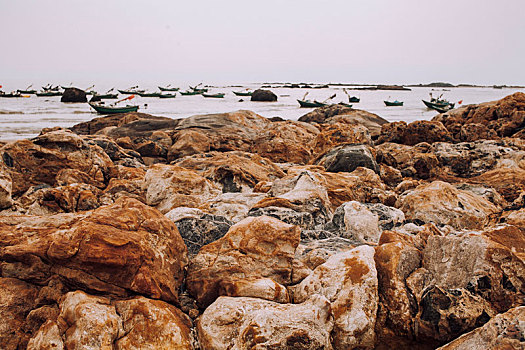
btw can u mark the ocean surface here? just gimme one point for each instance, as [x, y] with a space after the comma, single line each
[25, 117]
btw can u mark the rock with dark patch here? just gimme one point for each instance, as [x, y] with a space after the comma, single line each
[73, 95]
[198, 228]
[304, 220]
[348, 158]
[263, 96]
[414, 133]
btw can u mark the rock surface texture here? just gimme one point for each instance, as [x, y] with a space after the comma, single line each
[234, 231]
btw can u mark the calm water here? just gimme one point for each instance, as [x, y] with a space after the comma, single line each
[25, 117]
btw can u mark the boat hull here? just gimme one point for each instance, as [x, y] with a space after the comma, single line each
[239, 93]
[47, 94]
[113, 110]
[167, 89]
[393, 104]
[310, 104]
[190, 93]
[168, 96]
[213, 95]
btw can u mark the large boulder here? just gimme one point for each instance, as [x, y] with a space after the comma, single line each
[172, 186]
[348, 158]
[255, 248]
[414, 133]
[340, 114]
[73, 95]
[443, 204]
[40, 160]
[349, 281]
[263, 96]
[504, 117]
[250, 323]
[120, 249]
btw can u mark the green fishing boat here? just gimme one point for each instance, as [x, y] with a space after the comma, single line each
[11, 95]
[149, 94]
[107, 96]
[27, 90]
[112, 109]
[393, 103]
[49, 93]
[437, 104]
[243, 93]
[443, 109]
[168, 88]
[217, 95]
[189, 93]
[353, 99]
[167, 95]
[310, 104]
[131, 91]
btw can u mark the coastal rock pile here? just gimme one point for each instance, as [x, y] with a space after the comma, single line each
[233, 231]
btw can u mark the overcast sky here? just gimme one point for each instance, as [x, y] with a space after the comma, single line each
[230, 41]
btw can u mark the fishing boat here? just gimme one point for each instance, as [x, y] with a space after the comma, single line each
[11, 94]
[102, 109]
[190, 92]
[108, 95]
[131, 91]
[444, 109]
[310, 104]
[149, 94]
[243, 93]
[27, 90]
[168, 88]
[217, 95]
[48, 93]
[168, 95]
[393, 103]
[345, 104]
[438, 104]
[353, 99]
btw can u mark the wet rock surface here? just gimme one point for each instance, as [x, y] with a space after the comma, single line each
[234, 231]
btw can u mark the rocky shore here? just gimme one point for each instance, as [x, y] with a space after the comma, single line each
[233, 231]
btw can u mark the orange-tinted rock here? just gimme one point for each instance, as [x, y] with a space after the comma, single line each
[118, 249]
[114, 120]
[261, 247]
[505, 117]
[171, 186]
[40, 160]
[443, 204]
[17, 298]
[507, 181]
[333, 135]
[232, 171]
[152, 324]
[349, 281]
[6, 188]
[250, 323]
[414, 133]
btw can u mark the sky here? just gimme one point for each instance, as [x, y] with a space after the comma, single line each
[233, 41]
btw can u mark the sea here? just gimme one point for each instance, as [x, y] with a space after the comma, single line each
[25, 117]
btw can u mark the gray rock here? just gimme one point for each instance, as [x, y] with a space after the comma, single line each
[388, 217]
[304, 220]
[73, 95]
[348, 158]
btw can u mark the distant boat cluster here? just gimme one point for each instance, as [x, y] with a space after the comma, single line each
[439, 104]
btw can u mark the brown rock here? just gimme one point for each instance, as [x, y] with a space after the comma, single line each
[443, 204]
[507, 181]
[16, 300]
[250, 323]
[349, 281]
[336, 134]
[40, 160]
[260, 247]
[233, 171]
[152, 324]
[118, 249]
[504, 331]
[414, 133]
[171, 186]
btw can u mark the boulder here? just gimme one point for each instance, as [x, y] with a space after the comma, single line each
[73, 95]
[6, 188]
[198, 228]
[38, 161]
[113, 122]
[349, 281]
[348, 158]
[505, 117]
[119, 249]
[443, 204]
[250, 323]
[234, 206]
[171, 186]
[503, 331]
[411, 161]
[261, 247]
[340, 114]
[17, 299]
[356, 222]
[263, 96]
[232, 171]
[333, 135]
[414, 133]
[304, 220]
